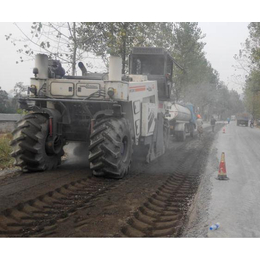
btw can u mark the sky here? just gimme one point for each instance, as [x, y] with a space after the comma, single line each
[222, 43]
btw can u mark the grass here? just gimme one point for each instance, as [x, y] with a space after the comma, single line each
[6, 161]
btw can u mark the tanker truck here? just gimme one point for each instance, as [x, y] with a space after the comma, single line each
[182, 119]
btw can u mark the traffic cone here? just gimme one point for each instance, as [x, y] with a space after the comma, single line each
[222, 173]
[224, 130]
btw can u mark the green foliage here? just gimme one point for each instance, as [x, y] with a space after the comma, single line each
[249, 60]
[19, 90]
[252, 93]
[118, 38]
[3, 101]
[197, 83]
[21, 111]
[5, 158]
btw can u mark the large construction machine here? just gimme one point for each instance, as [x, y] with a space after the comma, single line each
[112, 112]
[158, 65]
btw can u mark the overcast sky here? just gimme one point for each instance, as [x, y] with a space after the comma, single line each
[222, 43]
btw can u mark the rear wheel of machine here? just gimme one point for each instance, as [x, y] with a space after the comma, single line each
[111, 148]
[181, 136]
[29, 145]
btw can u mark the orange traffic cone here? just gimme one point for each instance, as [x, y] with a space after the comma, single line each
[224, 130]
[222, 173]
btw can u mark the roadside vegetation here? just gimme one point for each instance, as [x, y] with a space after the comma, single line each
[6, 161]
[248, 62]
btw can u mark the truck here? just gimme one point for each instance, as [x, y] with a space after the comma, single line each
[243, 119]
[182, 120]
[113, 113]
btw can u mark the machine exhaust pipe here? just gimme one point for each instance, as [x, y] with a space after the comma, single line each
[82, 68]
[115, 68]
[41, 63]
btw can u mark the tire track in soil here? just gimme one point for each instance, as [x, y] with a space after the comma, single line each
[164, 214]
[111, 209]
[43, 215]
[40, 216]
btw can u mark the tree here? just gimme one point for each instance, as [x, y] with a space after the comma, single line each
[120, 37]
[198, 81]
[69, 41]
[19, 90]
[3, 101]
[249, 61]
[60, 41]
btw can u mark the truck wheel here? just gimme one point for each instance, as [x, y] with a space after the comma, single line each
[181, 136]
[29, 145]
[111, 148]
[192, 130]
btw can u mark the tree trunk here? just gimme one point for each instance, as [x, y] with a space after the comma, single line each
[74, 50]
[124, 48]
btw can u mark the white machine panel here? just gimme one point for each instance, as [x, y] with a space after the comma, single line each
[149, 114]
[86, 89]
[62, 89]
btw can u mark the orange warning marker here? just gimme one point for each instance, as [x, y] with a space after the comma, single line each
[222, 173]
[224, 130]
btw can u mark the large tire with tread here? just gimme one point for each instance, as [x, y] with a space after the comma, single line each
[29, 145]
[181, 136]
[111, 148]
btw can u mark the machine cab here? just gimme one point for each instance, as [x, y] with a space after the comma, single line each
[157, 64]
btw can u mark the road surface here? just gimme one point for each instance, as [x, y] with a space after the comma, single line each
[152, 201]
[233, 203]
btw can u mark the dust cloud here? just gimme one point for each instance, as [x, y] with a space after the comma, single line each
[76, 153]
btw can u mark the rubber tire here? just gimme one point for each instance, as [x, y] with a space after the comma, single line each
[28, 144]
[192, 130]
[181, 136]
[109, 137]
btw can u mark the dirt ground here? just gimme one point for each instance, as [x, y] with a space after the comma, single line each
[69, 202]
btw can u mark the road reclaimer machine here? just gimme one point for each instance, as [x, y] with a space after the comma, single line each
[112, 112]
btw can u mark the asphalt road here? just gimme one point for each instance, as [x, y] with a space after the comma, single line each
[234, 203]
